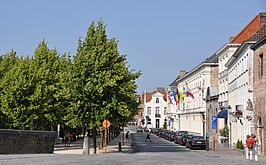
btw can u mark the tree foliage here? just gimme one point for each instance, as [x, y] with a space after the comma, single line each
[104, 86]
[41, 91]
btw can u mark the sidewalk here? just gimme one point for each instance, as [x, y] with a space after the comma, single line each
[221, 151]
[77, 146]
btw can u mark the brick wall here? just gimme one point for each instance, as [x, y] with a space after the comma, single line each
[259, 96]
[26, 142]
[214, 76]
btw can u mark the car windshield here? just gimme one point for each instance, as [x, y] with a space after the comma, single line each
[198, 138]
[182, 133]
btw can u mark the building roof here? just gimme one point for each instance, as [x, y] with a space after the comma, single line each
[255, 37]
[238, 52]
[251, 28]
[259, 34]
[149, 94]
[258, 44]
[212, 60]
[175, 82]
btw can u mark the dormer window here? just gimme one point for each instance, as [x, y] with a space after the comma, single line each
[157, 100]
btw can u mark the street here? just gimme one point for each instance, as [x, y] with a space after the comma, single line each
[157, 152]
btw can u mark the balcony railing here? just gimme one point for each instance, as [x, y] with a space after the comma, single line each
[157, 115]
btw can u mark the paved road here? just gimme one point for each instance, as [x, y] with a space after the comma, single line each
[158, 152]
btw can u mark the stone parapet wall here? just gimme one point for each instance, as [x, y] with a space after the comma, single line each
[26, 142]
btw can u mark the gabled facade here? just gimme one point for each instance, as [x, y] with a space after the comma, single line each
[154, 106]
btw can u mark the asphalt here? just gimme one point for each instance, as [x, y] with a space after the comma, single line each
[126, 146]
[112, 146]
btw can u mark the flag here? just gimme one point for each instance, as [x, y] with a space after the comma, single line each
[170, 100]
[174, 94]
[189, 93]
[177, 100]
[183, 94]
[184, 91]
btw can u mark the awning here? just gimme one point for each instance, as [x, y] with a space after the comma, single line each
[223, 114]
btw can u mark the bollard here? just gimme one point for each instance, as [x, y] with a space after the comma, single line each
[207, 145]
[86, 145]
[119, 147]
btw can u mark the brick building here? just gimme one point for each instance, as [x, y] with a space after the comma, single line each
[259, 92]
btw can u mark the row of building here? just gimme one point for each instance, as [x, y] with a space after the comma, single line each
[229, 90]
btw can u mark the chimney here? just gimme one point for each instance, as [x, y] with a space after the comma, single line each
[160, 89]
[231, 39]
[182, 73]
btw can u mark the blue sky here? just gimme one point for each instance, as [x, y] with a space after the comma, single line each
[160, 37]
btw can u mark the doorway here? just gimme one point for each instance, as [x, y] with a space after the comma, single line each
[260, 135]
[157, 123]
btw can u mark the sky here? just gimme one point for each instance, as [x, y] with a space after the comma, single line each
[159, 37]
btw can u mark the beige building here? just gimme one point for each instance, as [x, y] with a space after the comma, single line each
[192, 113]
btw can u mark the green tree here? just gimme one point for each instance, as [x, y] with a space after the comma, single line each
[224, 132]
[105, 88]
[48, 98]
[8, 102]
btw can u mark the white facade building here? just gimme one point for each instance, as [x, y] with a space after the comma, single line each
[155, 108]
[224, 54]
[240, 78]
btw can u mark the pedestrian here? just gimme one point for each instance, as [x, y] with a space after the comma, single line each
[127, 136]
[255, 147]
[246, 148]
[249, 147]
[68, 138]
[65, 138]
[148, 137]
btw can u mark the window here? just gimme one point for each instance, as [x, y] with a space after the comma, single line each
[149, 111]
[261, 65]
[149, 121]
[157, 100]
[157, 110]
[165, 110]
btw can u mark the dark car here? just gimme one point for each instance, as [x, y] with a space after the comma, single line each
[161, 132]
[172, 136]
[196, 141]
[179, 135]
[167, 135]
[184, 139]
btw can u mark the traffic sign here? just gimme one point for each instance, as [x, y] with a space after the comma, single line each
[106, 123]
[214, 122]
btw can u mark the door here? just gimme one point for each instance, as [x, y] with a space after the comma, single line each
[157, 123]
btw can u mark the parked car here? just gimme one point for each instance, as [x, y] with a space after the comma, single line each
[184, 139]
[161, 132]
[172, 136]
[167, 135]
[139, 129]
[179, 135]
[196, 141]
